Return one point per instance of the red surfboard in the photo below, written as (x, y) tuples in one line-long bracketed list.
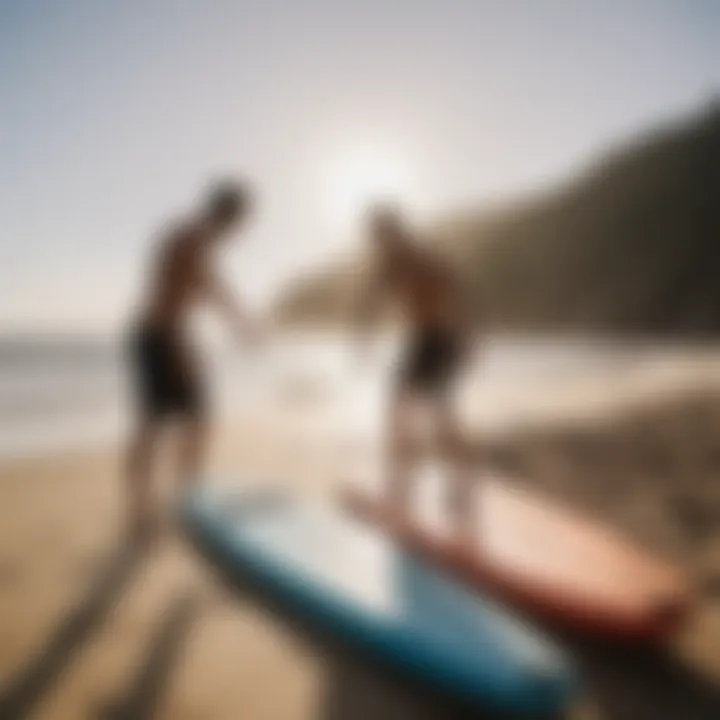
[(540, 555)]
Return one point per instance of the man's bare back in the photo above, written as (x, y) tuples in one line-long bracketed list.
[(178, 278), (411, 276), (422, 286)]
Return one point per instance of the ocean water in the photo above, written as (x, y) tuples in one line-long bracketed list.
[(58, 392)]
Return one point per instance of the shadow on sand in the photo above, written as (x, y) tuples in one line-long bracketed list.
[(144, 693), (633, 682), (355, 689), (19, 698)]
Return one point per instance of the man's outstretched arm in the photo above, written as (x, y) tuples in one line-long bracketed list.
[(368, 305), (227, 303)]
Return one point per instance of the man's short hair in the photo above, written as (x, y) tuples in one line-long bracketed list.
[(228, 200)]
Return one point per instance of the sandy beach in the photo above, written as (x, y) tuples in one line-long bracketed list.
[(89, 631)]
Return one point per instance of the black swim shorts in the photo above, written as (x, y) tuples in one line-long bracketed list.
[(431, 361), (165, 383)]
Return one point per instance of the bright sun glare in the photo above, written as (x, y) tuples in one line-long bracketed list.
[(365, 176)]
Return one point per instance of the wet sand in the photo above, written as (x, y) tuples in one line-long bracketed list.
[(87, 630)]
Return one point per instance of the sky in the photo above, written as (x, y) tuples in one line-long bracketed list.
[(114, 117)]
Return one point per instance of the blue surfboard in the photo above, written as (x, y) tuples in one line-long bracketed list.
[(357, 584)]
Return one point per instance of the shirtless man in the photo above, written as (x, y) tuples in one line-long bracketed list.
[(167, 372), (440, 330)]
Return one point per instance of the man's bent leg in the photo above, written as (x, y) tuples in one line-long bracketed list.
[(192, 451), (141, 498), (401, 454), (191, 404), (460, 486)]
